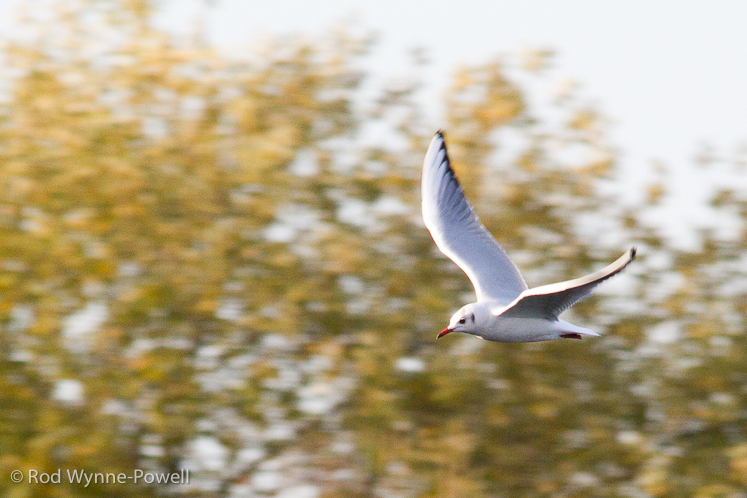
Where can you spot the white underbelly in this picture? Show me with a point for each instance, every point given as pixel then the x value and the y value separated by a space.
pixel 522 330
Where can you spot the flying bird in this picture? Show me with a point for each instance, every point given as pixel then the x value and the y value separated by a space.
pixel 506 310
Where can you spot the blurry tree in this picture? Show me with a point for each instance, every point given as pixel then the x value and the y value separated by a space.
pixel 207 263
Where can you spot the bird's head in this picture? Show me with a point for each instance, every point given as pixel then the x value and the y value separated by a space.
pixel 462 321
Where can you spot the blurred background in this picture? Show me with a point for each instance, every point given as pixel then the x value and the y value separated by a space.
pixel 212 255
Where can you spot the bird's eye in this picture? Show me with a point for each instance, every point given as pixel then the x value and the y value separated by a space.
pixel 462 320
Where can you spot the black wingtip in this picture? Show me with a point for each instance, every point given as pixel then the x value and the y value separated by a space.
pixel 440 135
pixel 633 251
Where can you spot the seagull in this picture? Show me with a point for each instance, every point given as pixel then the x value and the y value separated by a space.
pixel 506 310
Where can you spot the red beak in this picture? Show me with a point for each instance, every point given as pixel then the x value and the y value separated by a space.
pixel 444 332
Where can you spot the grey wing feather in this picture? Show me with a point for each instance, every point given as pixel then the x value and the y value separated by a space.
pixel 549 301
pixel 460 235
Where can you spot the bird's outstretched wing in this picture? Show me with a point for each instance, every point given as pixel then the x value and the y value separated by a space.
pixel 460 235
pixel 549 301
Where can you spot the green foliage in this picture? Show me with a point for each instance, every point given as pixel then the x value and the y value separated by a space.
pixel 239 282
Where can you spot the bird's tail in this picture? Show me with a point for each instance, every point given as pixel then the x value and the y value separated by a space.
pixel 570 331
